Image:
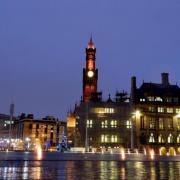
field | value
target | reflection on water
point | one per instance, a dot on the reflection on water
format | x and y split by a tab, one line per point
89	170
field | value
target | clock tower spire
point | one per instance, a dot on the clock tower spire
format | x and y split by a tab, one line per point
90	73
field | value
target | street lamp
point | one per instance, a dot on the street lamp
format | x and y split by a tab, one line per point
86	124
136	114
28	140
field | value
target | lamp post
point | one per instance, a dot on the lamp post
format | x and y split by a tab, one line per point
136	114
86	124
27	141
132	134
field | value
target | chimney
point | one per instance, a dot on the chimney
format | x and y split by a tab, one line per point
165	79
133	88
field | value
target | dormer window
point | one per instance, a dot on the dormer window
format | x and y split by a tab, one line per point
158	99
176	100
150	98
168	99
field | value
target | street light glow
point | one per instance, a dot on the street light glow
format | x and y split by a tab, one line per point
137	113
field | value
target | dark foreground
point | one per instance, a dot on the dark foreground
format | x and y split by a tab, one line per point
26	166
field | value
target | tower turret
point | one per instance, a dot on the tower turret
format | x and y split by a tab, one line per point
90	73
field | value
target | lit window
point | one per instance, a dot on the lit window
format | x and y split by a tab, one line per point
160	139
177	110
104	124
128	124
113	138
109	110
160	109
169	110
169	123
159	99
89	123
161	123
113	124
152	123
170	138
104	138
178	139
178	124
150	98
152	109
151	138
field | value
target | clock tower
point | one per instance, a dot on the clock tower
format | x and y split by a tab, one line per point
90	73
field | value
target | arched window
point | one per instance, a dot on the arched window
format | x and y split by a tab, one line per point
160	139
170	138
178	138
151	138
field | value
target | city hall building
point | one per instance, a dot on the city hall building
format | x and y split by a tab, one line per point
148	117
97	122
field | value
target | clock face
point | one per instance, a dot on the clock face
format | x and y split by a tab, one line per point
90	74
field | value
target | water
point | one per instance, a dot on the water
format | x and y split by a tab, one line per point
89	170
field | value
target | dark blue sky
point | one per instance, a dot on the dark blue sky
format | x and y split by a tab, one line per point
42	48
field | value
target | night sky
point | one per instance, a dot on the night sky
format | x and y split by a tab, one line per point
42	49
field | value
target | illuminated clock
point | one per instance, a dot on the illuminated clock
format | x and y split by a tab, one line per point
90	74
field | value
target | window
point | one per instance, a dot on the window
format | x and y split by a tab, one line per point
113	138
160	139
161	123
160	109
104	124
176	100
152	123
178	123
109	110
178	139
89	123
30	126
113	123
45	130
151	138
37	134
169	123
177	110
103	110
142	122
142	100
128	124
168	99
159	99
150	98
170	138
104	138
169	110
152	109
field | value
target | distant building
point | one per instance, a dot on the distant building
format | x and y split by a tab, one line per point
41	131
71	128
158	121
5	125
